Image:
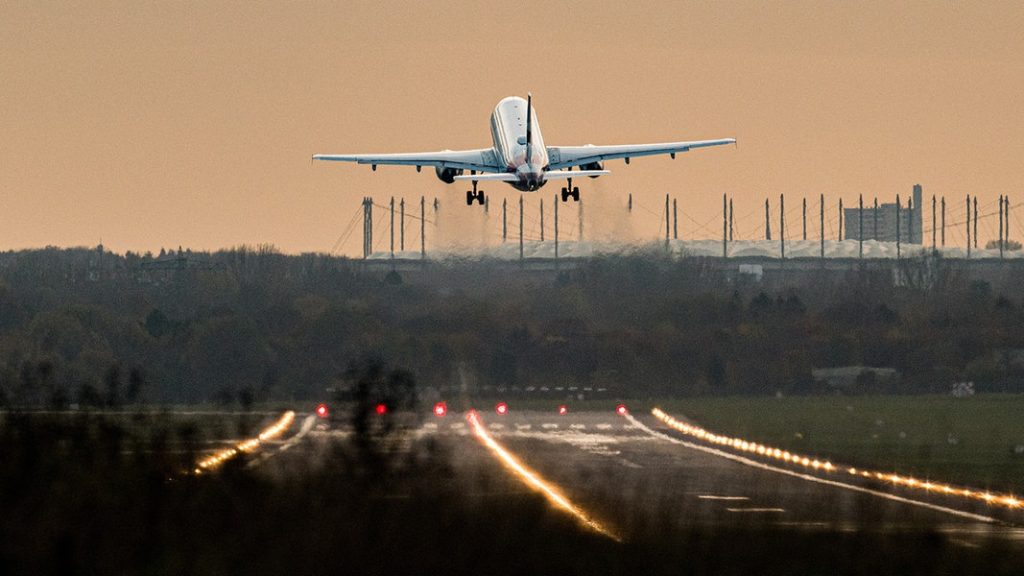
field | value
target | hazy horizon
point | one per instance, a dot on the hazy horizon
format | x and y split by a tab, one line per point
149	125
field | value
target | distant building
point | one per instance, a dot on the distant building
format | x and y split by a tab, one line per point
881	224
753	271
852	376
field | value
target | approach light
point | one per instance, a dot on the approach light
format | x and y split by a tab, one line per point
381	409
501	409
440	409
621	410
321	410
563	410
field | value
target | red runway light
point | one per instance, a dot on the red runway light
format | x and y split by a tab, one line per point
440	409
563	410
321	410
621	410
381	409
501	409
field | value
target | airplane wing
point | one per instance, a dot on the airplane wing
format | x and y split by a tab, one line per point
482	160
568	156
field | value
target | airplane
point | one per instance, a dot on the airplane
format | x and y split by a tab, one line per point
519	157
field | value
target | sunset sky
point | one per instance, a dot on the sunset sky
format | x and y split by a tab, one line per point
150	124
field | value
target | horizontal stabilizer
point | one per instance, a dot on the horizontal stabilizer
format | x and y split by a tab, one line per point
559	174
501	177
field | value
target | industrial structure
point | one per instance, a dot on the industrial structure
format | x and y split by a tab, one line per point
867	231
896	222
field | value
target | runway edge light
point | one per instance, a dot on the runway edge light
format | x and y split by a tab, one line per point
440	409
321	410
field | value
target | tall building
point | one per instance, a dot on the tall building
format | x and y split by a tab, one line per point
880	224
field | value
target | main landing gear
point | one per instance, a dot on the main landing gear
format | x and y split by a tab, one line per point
475	194
570	190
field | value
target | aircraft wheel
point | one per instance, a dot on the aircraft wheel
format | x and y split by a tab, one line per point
469	198
565	195
480	197
576	194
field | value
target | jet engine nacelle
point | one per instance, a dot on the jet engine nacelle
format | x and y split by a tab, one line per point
592	166
447	175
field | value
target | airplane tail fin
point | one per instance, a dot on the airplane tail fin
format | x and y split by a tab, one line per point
529	125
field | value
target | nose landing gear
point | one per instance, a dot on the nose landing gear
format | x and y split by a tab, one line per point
475	194
570	190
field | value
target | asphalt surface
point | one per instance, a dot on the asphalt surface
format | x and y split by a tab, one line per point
635	476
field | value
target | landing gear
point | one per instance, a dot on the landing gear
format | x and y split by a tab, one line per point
570	190
475	194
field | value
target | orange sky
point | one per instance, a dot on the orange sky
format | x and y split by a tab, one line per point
164	124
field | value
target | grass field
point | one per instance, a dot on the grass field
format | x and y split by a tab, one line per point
974	441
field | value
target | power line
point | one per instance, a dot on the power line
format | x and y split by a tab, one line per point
347	232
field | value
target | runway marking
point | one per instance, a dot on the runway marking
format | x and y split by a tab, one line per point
597	444
713	497
456	426
808	477
307	426
797	524
604	426
332	433
549	426
496	426
756	510
578	426
430	426
524	426
532	479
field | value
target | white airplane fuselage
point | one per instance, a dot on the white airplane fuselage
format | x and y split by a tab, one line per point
508	132
519	157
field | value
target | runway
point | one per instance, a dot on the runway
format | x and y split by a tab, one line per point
631	476
633	473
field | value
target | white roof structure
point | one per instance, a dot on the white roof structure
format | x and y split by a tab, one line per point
702	248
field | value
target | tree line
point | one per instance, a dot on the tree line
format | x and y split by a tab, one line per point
247	325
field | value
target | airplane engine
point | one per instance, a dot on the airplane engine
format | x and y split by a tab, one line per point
448	175
592	166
